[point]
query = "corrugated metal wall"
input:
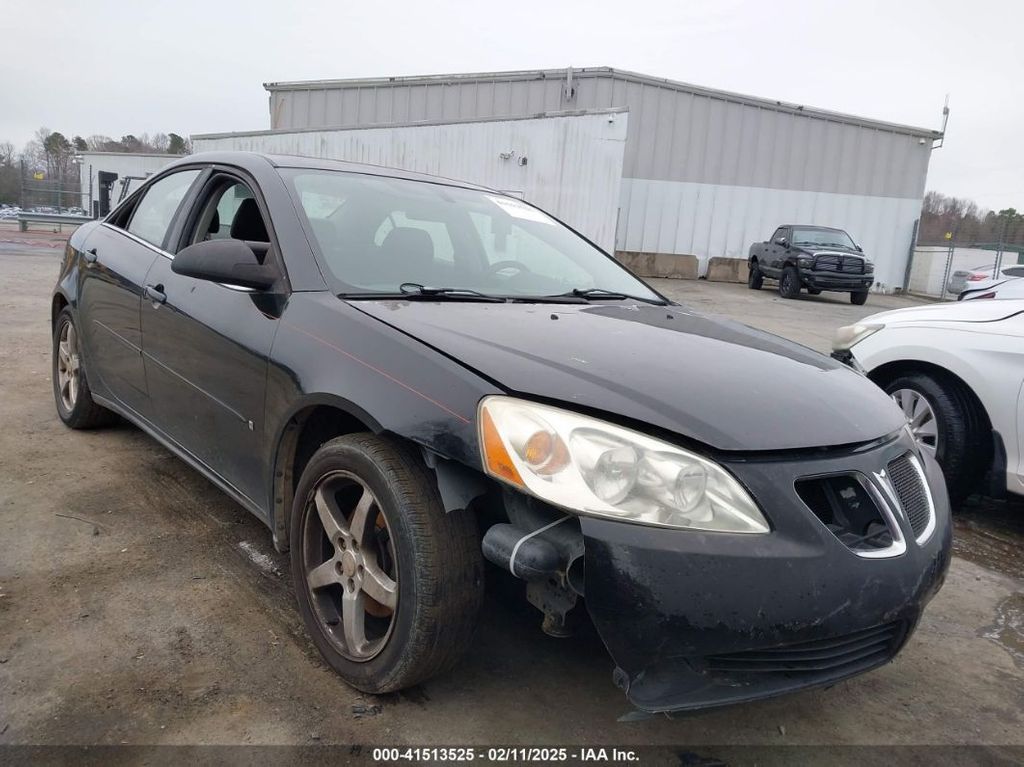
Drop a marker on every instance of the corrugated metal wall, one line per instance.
(736, 166)
(573, 162)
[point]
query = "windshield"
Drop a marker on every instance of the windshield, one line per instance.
(833, 238)
(378, 233)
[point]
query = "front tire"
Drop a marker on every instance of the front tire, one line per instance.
(71, 392)
(754, 277)
(388, 583)
(945, 422)
(789, 283)
(859, 298)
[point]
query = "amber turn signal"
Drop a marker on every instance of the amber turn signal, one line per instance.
(496, 458)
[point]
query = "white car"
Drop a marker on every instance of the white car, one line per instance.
(980, 277)
(957, 371)
(1009, 288)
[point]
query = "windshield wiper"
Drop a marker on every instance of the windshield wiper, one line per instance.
(601, 294)
(413, 290)
(416, 289)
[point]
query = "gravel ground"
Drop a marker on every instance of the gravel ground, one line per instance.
(139, 605)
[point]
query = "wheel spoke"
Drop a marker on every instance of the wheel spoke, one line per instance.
(65, 355)
(927, 429)
(72, 338)
(378, 585)
(323, 575)
(73, 389)
(922, 417)
(907, 401)
(357, 523)
(353, 621)
(330, 515)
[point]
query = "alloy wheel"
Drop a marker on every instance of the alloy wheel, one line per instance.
(920, 417)
(350, 565)
(69, 364)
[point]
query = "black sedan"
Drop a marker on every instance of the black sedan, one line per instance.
(404, 376)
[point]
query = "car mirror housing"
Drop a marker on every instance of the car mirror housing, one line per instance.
(783, 242)
(230, 262)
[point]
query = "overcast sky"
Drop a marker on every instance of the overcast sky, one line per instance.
(193, 67)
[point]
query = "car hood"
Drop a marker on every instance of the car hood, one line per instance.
(961, 311)
(711, 380)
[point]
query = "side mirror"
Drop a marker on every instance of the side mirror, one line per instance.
(231, 262)
(858, 247)
(783, 242)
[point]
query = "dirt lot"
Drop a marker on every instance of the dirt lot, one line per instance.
(139, 605)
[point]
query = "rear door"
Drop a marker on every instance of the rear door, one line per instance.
(206, 345)
(120, 253)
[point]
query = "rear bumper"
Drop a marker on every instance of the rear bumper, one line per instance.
(694, 620)
(834, 281)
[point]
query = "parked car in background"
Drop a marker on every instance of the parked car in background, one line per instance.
(957, 372)
(402, 375)
(981, 277)
(1009, 289)
(813, 257)
(1008, 286)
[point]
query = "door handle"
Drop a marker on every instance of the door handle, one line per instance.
(90, 256)
(155, 293)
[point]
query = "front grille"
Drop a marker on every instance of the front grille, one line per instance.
(839, 264)
(836, 655)
(845, 507)
(911, 491)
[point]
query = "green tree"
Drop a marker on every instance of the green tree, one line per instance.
(79, 143)
(177, 145)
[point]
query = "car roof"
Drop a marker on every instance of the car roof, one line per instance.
(247, 160)
(815, 226)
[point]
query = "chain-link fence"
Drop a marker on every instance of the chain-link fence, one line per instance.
(952, 255)
(41, 193)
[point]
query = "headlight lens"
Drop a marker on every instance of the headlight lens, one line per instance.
(805, 262)
(591, 467)
(846, 337)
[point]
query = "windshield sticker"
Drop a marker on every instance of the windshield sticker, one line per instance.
(517, 209)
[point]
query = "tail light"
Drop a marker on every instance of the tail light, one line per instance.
(977, 277)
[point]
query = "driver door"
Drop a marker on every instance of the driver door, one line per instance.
(206, 345)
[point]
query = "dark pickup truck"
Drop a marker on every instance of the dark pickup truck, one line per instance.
(814, 257)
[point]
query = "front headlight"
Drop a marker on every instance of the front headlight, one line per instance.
(592, 467)
(805, 262)
(849, 335)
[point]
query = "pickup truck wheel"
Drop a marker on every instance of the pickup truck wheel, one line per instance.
(859, 298)
(388, 583)
(71, 392)
(754, 277)
(945, 423)
(789, 283)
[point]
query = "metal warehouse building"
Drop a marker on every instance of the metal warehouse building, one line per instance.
(705, 172)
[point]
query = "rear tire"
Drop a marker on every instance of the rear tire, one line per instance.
(412, 573)
(71, 392)
(859, 298)
(789, 283)
(754, 277)
(963, 446)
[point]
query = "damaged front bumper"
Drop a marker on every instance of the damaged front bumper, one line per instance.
(695, 619)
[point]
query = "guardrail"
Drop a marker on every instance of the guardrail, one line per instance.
(24, 219)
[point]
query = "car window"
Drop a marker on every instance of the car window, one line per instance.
(153, 214)
(436, 230)
(219, 218)
(1014, 271)
(376, 233)
(779, 234)
(514, 244)
(824, 237)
